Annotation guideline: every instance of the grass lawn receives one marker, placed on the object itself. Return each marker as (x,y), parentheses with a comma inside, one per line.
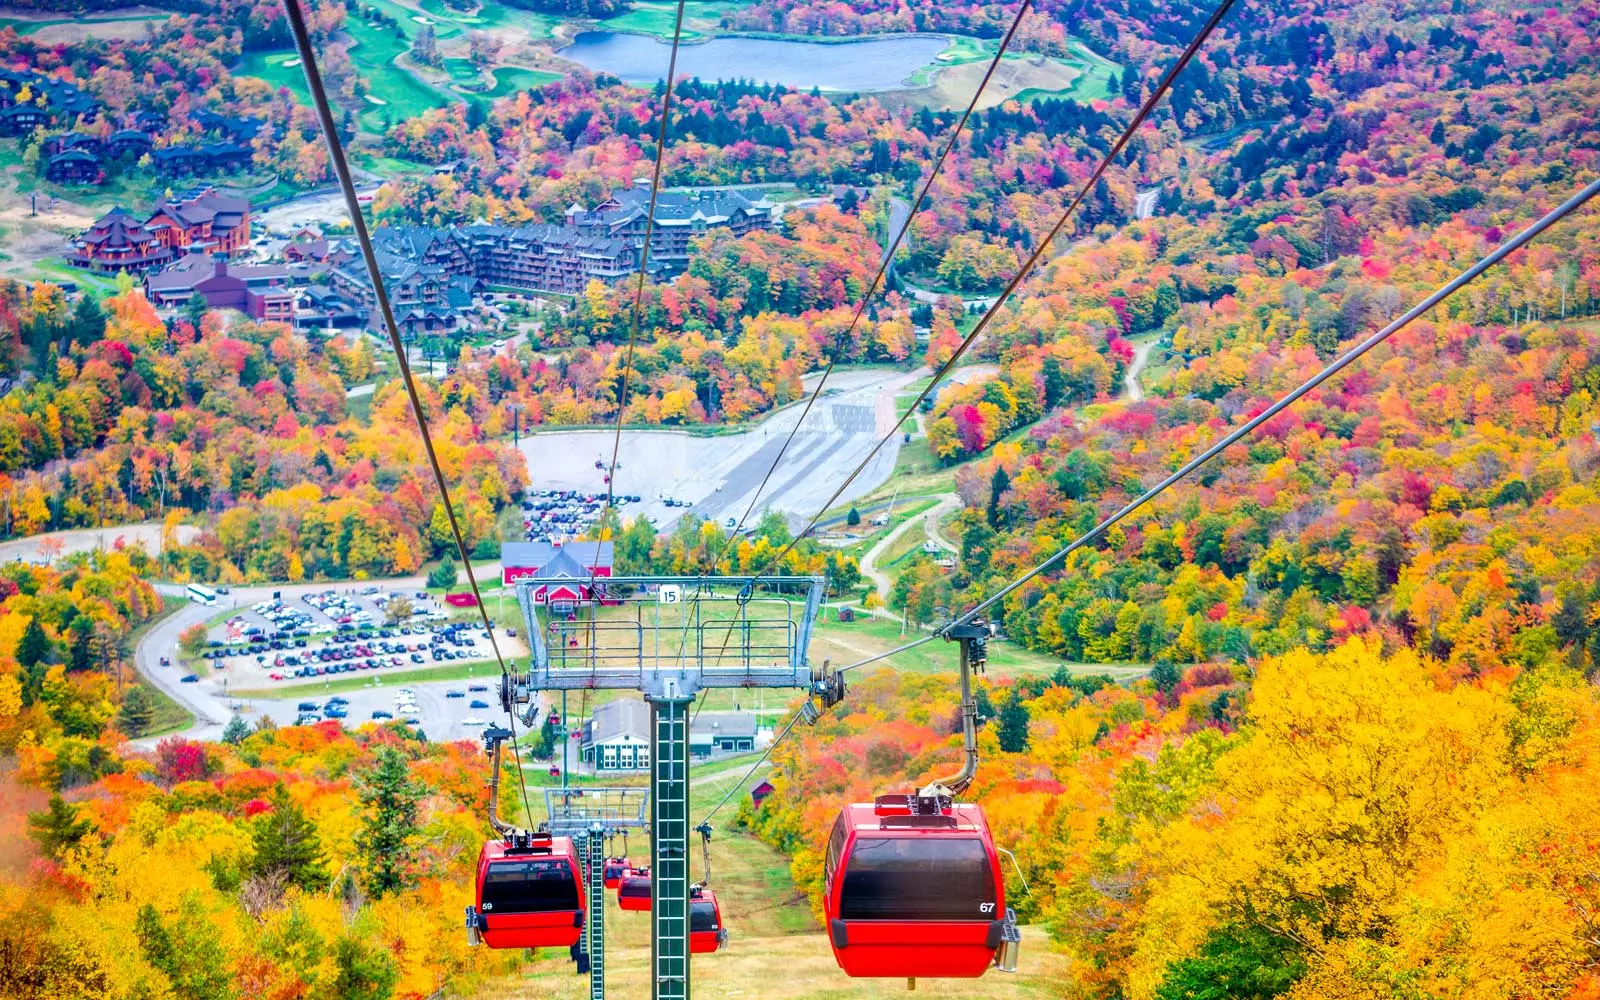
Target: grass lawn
(279,69)
(843,644)
(509,80)
(169,716)
(369,679)
(909,541)
(701,18)
(51,269)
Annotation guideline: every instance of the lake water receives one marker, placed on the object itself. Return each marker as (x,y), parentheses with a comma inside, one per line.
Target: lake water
(863,65)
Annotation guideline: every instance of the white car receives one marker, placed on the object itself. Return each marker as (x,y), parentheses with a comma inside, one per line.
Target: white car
(472,720)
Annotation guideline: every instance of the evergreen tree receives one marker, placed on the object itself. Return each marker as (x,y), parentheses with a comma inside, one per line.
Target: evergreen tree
(195,310)
(1012,729)
(548,739)
(286,841)
(82,651)
(137,711)
(34,647)
(998,484)
(58,827)
(1055,382)
(189,953)
(388,833)
(236,731)
(853,518)
(1164,675)
(88,321)
(443,575)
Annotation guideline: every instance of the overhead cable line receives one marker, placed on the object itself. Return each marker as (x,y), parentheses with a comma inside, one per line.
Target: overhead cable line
(638,294)
(644,251)
(1027,267)
(1439,294)
(759,761)
(341,169)
(883,268)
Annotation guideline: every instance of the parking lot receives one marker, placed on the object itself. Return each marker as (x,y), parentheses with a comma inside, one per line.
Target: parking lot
(562,515)
(444,710)
(302,637)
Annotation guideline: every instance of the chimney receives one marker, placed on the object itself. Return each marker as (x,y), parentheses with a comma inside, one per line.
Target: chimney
(219,265)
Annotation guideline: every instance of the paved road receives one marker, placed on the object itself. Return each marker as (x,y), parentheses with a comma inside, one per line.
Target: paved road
(1130,379)
(899,218)
(1144,203)
(869,563)
(51,545)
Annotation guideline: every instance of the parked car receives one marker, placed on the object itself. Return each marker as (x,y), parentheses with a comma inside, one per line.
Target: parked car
(477,703)
(455,694)
(379,713)
(189,679)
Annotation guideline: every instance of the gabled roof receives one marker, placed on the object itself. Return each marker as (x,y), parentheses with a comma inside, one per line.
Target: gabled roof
(539,555)
(623,717)
(710,725)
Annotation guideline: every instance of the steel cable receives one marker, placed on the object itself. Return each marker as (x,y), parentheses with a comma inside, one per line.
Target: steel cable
(341,169)
(883,269)
(1438,295)
(1027,267)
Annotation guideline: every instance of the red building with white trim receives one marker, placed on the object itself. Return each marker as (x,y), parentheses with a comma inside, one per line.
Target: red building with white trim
(579,561)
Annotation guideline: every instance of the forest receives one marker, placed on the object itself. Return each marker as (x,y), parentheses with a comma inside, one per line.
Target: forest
(1354,758)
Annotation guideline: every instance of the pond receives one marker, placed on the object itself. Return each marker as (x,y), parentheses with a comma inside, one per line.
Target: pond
(866,64)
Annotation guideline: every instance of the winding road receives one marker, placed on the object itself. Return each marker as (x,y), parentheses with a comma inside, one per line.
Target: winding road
(948,502)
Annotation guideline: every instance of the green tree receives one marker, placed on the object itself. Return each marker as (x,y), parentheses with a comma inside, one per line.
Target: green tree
(853,518)
(58,827)
(189,952)
(236,731)
(88,323)
(82,650)
(195,310)
(1236,963)
(388,832)
(998,484)
(1012,728)
(443,575)
(1164,675)
(363,973)
(34,647)
(285,840)
(137,711)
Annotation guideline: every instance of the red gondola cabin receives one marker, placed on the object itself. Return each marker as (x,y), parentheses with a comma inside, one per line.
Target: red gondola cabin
(614,870)
(530,894)
(913,892)
(633,890)
(706,933)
